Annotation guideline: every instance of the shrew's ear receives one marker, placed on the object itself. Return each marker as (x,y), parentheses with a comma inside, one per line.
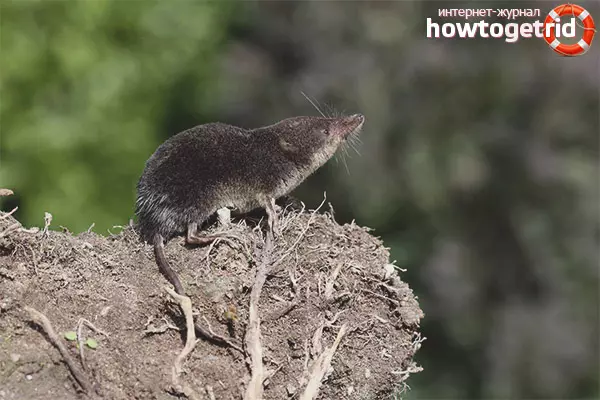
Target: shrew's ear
(287,146)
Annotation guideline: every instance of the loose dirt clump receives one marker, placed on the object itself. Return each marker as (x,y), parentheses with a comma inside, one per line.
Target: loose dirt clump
(336,321)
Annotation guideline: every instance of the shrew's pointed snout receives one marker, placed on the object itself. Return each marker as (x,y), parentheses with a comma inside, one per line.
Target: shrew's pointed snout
(359,117)
(358,120)
(345,126)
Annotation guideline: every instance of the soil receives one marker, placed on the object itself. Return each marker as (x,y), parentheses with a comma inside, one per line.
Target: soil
(114,284)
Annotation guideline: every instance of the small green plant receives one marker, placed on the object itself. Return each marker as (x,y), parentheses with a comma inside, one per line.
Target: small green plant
(90,342)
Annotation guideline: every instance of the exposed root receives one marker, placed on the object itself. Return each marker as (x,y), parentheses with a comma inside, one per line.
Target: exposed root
(11,212)
(284,222)
(395,302)
(210,392)
(317,346)
(10,229)
(300,236)
(271,373)
(230,236)
(186,307)
(152,329)
(77,373)
(331,282)
(254,391)
(34,260)
(47,222)
(225,238)
(321,366)
(404,373)
(216,338)
(220,339)
(284,311)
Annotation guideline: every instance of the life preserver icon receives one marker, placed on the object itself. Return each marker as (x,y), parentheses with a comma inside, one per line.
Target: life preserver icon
(588,34)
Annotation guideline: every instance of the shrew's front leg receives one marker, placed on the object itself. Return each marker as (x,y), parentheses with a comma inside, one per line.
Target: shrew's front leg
(269,205)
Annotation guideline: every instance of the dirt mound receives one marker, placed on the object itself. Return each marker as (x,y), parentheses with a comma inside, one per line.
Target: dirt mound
(324,279)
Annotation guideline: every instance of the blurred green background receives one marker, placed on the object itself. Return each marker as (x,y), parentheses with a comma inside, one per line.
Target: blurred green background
(479,164)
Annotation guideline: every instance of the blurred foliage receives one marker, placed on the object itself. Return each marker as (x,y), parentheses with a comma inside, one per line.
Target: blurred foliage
(87,92)
(479,166)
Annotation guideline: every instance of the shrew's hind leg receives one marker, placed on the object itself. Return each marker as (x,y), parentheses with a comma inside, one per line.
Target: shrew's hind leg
(194,237)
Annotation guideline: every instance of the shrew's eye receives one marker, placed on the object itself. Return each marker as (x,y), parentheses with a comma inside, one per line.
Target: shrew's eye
(324,132)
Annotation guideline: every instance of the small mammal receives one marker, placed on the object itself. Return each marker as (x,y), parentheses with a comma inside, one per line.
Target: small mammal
(198,171)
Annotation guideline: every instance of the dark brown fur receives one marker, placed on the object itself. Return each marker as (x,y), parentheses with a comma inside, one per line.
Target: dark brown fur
(198,171)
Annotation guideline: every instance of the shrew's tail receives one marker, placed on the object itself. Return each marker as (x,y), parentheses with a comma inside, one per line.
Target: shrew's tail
(163,264)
